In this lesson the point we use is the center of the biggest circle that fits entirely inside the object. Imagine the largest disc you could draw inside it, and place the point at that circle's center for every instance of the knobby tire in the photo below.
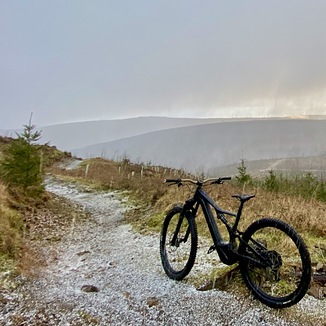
(178, 260)
(295, 277)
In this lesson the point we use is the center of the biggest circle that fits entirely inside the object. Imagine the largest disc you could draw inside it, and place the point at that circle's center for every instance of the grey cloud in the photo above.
(78, 61)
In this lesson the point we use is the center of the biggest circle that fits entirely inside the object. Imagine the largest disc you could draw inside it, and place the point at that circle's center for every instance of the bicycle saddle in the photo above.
(243, 198)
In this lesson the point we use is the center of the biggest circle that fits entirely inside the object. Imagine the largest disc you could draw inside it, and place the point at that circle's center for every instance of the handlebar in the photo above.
(179, 182)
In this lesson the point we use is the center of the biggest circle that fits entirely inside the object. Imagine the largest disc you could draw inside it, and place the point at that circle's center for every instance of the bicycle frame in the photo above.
(225, 249)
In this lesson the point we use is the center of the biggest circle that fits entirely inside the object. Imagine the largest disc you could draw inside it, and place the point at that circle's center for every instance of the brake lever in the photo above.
(218, 182)
(175, 183)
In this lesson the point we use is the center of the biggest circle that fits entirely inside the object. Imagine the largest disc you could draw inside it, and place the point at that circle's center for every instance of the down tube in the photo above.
(215, 233)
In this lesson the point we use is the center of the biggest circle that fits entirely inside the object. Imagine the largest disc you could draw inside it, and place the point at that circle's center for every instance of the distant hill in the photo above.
(289, 166)
(218, 144)
(79, 134)
(192, 144)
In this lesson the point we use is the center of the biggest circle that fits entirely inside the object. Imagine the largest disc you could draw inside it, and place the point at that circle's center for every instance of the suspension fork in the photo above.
(188, 211)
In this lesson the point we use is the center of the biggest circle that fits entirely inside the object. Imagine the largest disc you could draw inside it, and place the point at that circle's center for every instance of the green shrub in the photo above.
(21, 164)
(271, 181)
(243, 177)
(305, 185)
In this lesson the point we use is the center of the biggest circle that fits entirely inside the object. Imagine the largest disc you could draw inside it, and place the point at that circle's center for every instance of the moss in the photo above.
(155, 222)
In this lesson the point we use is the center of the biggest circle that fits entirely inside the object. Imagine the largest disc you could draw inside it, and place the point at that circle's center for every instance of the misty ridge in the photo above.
(191, 144)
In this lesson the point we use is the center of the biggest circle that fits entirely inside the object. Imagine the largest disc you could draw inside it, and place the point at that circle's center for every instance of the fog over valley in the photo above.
(217, 144)
(191, 144)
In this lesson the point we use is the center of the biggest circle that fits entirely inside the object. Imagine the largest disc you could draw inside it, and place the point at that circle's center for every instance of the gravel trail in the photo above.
(103, 273)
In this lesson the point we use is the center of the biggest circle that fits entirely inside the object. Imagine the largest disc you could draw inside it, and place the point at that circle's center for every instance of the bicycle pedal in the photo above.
(211, 249)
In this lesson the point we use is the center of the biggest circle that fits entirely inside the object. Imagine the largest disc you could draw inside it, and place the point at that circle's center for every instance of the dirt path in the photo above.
(103, 273)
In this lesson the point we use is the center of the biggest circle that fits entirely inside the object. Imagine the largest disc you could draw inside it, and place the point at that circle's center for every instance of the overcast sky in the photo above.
(83, 60)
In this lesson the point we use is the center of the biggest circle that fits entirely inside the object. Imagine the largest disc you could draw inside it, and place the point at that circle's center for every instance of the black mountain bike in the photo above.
(273, 259)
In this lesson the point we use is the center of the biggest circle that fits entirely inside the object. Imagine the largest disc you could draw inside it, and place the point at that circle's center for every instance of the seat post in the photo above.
(239, 213)
(242, 199)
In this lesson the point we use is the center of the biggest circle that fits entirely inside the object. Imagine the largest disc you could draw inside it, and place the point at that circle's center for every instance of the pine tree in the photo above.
(21, 163)
(271, 181)
(243, 177)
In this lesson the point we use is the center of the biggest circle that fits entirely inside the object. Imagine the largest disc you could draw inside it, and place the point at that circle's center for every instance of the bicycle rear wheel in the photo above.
(279, 272)
(178, 244)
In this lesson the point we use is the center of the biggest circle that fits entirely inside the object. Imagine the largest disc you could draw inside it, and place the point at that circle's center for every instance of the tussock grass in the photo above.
(11, 237)
(11, 227)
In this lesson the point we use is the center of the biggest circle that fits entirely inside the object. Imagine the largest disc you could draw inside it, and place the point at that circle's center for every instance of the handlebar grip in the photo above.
(172, 180)
(221, 180)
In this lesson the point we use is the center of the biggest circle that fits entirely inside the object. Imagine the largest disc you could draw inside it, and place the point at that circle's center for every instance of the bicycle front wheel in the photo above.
(275, 263)
(178, 244)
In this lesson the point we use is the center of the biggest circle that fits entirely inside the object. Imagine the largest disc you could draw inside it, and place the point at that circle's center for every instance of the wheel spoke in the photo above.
(178, 251)
(278, 278)
(282, 278)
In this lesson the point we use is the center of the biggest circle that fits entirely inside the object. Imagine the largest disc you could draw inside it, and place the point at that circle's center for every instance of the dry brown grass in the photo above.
(146, 184)
(11, 226)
